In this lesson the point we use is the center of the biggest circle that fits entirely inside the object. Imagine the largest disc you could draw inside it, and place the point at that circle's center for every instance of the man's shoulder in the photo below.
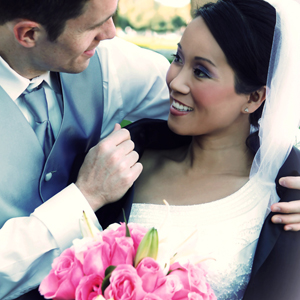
(291, 166)
(294, 157)
(118, 47)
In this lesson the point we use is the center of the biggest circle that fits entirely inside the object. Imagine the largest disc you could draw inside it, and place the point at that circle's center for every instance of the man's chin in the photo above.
(77, 68)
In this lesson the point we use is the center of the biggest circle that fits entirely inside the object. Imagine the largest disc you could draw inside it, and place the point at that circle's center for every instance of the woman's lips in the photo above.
(179, 109)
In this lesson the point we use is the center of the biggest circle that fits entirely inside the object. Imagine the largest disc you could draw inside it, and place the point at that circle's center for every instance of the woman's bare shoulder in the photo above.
(157, 159)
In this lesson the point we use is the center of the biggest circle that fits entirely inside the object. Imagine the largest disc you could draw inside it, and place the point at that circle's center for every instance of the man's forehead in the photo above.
(96, 13)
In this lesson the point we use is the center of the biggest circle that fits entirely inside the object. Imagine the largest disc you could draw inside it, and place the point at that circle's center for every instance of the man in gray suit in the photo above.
(49, 176)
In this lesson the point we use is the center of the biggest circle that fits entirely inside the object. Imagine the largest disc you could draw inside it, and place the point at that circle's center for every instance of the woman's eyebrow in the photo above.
(205, 59)
(199, 57)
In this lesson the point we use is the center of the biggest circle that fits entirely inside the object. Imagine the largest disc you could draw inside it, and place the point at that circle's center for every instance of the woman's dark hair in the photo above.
(52, 14)
(244, 30)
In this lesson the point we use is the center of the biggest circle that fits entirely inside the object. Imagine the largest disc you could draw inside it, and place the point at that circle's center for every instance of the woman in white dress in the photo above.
(219, 182)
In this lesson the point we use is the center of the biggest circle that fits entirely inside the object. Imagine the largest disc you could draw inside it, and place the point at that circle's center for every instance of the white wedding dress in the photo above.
(227, 230)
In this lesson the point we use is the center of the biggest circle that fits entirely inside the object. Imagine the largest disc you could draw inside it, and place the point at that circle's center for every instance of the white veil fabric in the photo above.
(280, 118)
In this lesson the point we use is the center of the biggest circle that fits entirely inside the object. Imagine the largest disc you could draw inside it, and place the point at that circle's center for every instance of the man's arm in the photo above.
(134, 83)
(29, 244)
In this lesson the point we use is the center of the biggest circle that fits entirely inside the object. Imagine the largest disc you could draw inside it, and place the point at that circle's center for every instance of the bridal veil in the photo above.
(280, 118)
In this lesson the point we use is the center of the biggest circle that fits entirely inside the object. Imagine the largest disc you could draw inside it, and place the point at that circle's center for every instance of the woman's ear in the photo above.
(26, 32)
(255, 100)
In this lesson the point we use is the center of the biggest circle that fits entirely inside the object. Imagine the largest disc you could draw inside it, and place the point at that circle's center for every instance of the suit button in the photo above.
(48, 176)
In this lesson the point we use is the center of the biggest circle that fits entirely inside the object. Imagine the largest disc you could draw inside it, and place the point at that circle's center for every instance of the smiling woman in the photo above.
(202, 81)
(216, 174)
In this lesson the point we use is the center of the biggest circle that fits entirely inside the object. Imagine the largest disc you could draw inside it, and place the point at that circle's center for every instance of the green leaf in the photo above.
(126, 226)
(170, 271)
(109, 270)
(106, 280)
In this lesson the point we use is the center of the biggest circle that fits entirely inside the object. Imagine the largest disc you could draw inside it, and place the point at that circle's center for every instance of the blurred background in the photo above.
(155, 24)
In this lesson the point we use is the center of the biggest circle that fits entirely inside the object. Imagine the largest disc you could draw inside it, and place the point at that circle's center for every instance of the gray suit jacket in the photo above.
(22, 162)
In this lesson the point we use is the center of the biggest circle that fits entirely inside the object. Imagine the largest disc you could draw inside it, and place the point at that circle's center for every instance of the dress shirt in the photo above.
(14, 85)
(133, 87)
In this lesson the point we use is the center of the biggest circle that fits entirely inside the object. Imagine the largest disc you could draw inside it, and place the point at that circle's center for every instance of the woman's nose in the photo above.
(180, 82)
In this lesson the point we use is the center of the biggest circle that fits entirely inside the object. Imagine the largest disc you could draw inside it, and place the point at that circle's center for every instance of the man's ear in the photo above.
(26, 32)
(255, 100)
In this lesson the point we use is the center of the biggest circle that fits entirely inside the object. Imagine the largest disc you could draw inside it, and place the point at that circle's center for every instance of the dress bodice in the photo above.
(227, 231)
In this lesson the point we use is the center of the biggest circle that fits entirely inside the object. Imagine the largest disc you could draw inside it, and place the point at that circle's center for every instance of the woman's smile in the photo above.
(180, 107)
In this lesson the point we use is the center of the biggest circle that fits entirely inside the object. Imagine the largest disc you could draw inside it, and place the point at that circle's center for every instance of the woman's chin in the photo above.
(176, 128)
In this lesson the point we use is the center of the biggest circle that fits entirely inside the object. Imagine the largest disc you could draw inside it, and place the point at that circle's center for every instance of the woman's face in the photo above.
(201, 84)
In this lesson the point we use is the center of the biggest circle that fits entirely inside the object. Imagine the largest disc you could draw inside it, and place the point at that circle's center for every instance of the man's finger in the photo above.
(286, 219)
(291, 182)
(292, 207)
(292, 227)
(116, 137)
(136, 170)
(126, 147)
(117, 127)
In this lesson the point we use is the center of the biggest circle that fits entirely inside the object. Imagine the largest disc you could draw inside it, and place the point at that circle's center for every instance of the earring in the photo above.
(246, 109)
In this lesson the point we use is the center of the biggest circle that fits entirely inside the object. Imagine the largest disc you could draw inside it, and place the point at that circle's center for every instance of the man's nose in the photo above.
(108, 31)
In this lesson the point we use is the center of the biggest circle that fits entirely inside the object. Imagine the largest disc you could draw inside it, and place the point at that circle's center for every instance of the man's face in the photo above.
(73, 49)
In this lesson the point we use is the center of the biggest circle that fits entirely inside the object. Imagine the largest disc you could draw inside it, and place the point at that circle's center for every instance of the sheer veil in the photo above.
(281, 114)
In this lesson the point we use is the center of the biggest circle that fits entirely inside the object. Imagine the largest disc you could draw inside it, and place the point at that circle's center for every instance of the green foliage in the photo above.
(151, 15)
(124, 123)
(178, 22)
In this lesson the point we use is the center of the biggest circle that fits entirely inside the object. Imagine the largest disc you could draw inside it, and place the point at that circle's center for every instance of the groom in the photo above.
(60, 94)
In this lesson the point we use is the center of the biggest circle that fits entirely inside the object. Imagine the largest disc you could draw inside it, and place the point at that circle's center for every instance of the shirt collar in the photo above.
(14, 84)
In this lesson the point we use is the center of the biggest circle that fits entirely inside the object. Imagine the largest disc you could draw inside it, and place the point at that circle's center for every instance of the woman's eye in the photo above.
(200, 73)
(177, 58)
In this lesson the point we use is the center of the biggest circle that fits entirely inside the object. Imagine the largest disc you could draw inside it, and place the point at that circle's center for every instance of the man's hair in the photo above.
(52, 14)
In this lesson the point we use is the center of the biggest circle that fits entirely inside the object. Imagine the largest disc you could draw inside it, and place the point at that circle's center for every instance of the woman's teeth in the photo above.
(181, 107)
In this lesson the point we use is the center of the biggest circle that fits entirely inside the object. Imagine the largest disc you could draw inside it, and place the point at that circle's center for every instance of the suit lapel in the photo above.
(80, 130)
(271, 232)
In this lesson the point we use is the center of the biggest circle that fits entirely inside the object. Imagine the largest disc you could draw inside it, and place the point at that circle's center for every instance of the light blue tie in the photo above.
(36, 102)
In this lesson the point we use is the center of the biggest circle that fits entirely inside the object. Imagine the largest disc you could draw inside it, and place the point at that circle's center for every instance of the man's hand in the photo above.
(109, 169)
(290, 211)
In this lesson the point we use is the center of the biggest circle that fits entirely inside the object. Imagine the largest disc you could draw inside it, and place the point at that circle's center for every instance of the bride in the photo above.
(218, 179)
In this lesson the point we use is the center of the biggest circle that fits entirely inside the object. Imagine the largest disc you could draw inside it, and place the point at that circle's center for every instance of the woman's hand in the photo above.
(289, 211)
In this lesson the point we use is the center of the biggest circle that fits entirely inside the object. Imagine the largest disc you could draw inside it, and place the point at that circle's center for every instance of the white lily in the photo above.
(113, 226)
(170, 251)
(87, 227)
(90, 233)
(148, 246)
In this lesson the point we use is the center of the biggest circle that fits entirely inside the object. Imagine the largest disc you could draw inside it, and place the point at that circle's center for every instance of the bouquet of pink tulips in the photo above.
(120, 263)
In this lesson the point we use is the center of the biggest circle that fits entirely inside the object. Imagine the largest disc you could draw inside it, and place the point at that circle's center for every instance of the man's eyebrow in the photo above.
(102, 22)
(199, 57)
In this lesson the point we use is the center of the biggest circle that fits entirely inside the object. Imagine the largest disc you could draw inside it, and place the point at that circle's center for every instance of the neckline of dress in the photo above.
(222, 201)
